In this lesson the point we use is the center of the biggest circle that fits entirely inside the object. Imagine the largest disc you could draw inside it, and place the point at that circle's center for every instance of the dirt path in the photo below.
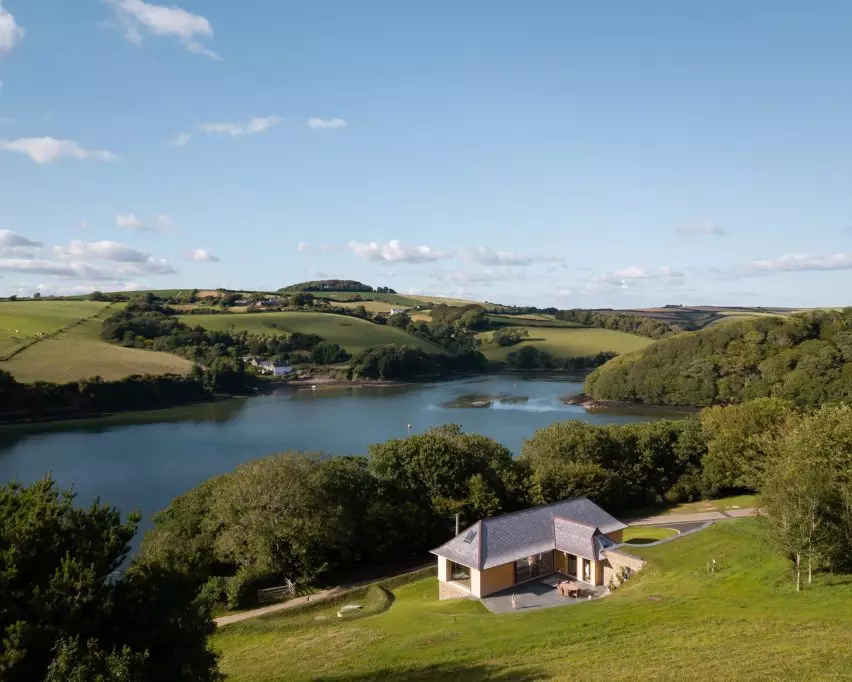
(663, 519)
(274, 608)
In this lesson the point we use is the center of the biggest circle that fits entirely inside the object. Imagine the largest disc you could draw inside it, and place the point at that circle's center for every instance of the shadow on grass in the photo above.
(459, 672)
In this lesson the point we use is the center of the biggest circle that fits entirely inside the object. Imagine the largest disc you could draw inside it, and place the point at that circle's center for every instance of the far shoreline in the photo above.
(594, 405)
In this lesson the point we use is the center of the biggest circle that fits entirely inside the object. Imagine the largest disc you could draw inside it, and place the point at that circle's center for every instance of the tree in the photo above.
(37, 296)
(328, 354)
(66, 614)
(399, 320)
(509, 336)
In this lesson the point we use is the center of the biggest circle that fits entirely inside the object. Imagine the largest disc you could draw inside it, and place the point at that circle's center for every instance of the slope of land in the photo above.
(563, 342)
(806, 359)
(743, 622)
(22, 322)
(80, 353)
(353, 334)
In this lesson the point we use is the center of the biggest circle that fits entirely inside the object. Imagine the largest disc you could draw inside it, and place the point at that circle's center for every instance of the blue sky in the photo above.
(553, 153)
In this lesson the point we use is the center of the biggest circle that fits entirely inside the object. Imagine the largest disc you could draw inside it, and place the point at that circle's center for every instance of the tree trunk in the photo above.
(798, 572)
(810, 571)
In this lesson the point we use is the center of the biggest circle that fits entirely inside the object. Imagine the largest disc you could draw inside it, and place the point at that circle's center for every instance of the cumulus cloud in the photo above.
(201, 256)
(137, 17)
(180, 140)
(802, 263)
(104, 250)
(253, 127)
(161, 222)
(395, 251)
(49, 267)
(318, 123)
(10, 33)
(12, 242)
(48, 149)
(625, 277)
(702, 229)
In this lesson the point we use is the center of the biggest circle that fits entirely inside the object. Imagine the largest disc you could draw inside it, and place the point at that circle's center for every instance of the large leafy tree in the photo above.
(66, 613)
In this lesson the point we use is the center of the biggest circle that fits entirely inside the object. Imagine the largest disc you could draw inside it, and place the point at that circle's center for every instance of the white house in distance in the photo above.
(268, 367)
(574, 537)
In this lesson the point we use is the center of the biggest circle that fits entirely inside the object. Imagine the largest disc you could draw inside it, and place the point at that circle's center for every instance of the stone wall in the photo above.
(614, 563)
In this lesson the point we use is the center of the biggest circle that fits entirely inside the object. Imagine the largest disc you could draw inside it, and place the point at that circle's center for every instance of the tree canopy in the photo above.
(806, 359)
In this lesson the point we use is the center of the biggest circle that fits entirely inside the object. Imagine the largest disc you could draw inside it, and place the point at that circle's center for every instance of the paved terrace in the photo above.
(537, 594)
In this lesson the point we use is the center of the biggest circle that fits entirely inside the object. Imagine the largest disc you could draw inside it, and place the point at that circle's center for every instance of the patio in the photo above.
(538, 594)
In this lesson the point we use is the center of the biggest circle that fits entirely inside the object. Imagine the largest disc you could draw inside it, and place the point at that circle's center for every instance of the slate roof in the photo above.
(577, 526)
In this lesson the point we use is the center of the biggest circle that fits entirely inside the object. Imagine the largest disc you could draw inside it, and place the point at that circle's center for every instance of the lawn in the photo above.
(642, 535)
(564, 342)
(21, 322)
(672, 621)
(351, 333)
(80, 353)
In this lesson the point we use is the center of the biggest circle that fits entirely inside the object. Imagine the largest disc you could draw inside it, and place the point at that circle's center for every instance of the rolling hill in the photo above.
(564, 342)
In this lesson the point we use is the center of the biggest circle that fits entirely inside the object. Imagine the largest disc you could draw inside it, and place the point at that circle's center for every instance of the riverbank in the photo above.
(593, 405)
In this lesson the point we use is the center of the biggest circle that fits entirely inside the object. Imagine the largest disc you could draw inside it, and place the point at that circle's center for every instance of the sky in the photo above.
(617, 154)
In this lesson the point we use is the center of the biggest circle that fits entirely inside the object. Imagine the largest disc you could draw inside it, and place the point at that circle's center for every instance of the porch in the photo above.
(538, 594)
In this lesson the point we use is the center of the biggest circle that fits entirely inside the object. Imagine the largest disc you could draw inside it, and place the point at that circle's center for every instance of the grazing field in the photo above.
(371, 306)
(530, 321)
(80, 353)
(564, 342)
(396, 300)
(672, 621)
(22, 322)
(351, 333)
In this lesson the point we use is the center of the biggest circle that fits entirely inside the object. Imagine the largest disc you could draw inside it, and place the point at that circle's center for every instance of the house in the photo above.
(268, 367)
(574, 537)
(397, 311)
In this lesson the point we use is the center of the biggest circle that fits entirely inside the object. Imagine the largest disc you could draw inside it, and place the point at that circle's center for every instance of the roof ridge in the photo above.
(579, 523)
(537, 507)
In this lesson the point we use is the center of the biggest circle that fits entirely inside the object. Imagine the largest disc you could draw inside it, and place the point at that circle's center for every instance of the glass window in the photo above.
(572, 565)
(459, 572)
(587, 570)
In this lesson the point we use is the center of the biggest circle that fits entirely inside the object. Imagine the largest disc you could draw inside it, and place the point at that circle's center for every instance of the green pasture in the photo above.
(80, 353)
(353, 334)
(672, 621)
(642, 535)
(563, 342)
(21, 322)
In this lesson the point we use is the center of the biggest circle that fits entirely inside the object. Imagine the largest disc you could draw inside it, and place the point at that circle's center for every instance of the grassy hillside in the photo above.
(563, 342)
(744, 622)
(80, 353)
(22, 322)
(806, 359)
(351, 333)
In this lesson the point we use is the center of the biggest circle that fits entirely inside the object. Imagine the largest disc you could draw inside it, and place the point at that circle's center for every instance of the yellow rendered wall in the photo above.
(492, 580)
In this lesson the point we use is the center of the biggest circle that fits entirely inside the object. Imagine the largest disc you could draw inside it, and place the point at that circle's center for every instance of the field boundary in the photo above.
(55, 333)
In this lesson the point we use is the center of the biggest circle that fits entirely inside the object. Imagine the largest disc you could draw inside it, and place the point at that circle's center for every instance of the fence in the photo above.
(287, 590)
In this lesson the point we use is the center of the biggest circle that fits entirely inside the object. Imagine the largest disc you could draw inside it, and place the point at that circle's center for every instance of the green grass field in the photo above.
(21, 322)
(80, 353)
(644, 534)
(351, 333)
(564, 342)
(672, 621)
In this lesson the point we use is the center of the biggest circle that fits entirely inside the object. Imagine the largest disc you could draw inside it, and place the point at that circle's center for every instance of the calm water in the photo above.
(143, 460)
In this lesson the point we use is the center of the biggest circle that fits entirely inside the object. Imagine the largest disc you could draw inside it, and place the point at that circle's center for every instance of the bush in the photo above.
(241, 588)
(213, 591)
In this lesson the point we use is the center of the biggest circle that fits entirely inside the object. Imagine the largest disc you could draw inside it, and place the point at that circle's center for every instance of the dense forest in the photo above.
(806, 359)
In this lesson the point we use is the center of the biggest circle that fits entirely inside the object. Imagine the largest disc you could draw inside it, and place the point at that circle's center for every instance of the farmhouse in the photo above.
(574, 537)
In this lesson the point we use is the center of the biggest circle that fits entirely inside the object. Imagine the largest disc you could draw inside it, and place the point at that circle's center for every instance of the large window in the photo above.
(460, 574)
(572, 565)
(533, 566)
(587, 571)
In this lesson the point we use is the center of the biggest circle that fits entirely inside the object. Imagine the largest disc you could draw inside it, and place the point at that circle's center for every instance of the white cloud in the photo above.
(254, 126)
(49, 267)
(483, 277)
(104, 250)
(316, 122)
(129, 222)
(180, 140)
(47, 149)
(164, 219)
(136, 16)
(303, 247)
(702, 229)
(395, 252)
(12, 242)
(801, 263)
(10, 33)
(485, 255)
(201, 256)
